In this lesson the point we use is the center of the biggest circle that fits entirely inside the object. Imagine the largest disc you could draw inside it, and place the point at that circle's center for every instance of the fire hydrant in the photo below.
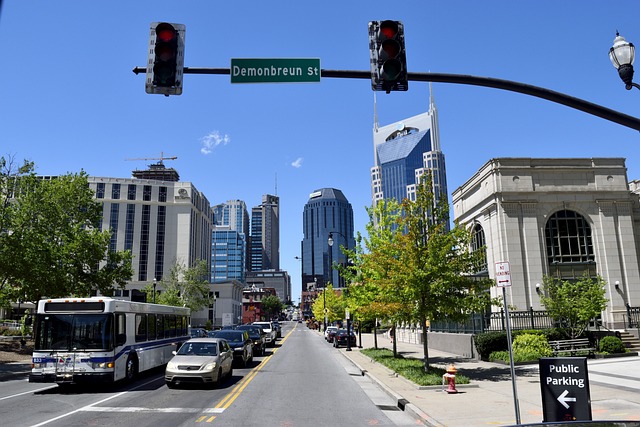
(450, 377)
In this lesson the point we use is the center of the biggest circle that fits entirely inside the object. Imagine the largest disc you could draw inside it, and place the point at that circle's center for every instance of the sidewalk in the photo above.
(489, 399)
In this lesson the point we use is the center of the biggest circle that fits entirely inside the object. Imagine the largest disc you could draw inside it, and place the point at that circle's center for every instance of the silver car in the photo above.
(200, 361)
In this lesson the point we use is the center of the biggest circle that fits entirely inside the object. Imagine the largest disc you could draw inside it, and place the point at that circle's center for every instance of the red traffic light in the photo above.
(166, 33)
(388, 56)
(389, 29)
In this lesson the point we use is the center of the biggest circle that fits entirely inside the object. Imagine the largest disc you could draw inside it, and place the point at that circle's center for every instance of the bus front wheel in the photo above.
(132, 367)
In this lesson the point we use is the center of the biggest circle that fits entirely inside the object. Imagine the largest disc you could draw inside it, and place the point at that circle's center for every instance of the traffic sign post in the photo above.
(564, 382)
(275, 70)
(503, 279)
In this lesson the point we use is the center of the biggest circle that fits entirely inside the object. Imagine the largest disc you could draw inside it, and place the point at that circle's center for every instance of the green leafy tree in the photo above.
(272, 306)
(184, 287)
(371, 293)
(333, 301)
(433, 273)
(50, 243)
(573, 303)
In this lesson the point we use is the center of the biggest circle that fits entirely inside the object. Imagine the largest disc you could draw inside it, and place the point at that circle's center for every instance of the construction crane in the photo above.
(160, 159)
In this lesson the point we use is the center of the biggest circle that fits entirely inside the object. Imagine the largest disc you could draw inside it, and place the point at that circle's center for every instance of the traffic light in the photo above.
(166, 58)
(388, 56)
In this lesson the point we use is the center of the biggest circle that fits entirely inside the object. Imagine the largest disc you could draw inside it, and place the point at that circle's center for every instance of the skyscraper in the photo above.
(265, 234)
(233, 215)
(328, 212)
(403, 152)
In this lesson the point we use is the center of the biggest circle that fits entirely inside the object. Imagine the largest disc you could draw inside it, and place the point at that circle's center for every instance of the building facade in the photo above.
(556, 217)
(265, 235)
(161, 222)
(403, 152)
(278, 280)
(327, 213)
(228, 250)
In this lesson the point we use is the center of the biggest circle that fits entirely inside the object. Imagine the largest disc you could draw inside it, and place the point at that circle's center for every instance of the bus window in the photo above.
(170, 330)
(141, 327)
(152, 326)
(160, 326)
(121, 329)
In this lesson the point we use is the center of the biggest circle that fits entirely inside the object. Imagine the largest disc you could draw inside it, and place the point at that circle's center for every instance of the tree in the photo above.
(370, 294)
(330, 299)
(573, 303)
(50, 241)
(185, 287)
(433, 272)
(272, 306)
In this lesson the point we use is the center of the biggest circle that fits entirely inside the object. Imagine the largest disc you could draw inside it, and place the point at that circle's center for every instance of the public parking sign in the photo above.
(564, 383)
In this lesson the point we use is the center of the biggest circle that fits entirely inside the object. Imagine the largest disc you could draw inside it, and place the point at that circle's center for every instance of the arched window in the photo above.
(478, 244)
(569, 245)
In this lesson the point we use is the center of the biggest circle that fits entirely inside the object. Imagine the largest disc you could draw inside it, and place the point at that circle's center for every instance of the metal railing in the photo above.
(633, 316)
(496, 321)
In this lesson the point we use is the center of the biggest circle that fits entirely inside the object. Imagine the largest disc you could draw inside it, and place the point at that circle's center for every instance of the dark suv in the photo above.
(257, 335)
(239, 341)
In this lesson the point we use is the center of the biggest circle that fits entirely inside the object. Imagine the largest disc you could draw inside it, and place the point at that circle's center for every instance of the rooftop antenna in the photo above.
(375, 113)
(276, 183)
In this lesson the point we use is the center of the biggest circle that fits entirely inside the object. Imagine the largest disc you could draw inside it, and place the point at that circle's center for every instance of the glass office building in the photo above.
(328, 212)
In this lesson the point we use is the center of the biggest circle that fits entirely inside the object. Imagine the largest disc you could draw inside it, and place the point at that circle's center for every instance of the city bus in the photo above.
(102, 339)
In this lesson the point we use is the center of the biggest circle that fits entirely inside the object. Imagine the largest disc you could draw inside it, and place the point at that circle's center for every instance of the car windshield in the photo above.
(198, 349)
(230, 336)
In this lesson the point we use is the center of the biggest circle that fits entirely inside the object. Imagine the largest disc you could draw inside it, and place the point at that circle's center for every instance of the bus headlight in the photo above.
(102, 365)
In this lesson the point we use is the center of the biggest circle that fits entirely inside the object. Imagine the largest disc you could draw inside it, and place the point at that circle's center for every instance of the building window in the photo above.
(478, 243)
(568, 239)
(162, 194)
(131, 192)
(100, 191)
(115, 191)
(146, 193)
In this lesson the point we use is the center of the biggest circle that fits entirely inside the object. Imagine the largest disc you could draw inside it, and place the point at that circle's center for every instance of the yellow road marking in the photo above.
(239, 388)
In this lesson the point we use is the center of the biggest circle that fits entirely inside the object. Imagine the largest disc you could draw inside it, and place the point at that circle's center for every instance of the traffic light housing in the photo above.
(388, 56)
(166, 58)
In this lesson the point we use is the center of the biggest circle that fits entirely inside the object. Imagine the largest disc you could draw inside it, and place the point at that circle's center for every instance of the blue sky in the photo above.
(70, 101)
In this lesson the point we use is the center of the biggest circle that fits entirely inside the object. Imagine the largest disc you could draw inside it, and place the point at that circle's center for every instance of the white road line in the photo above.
(96, 403)
(27, 392)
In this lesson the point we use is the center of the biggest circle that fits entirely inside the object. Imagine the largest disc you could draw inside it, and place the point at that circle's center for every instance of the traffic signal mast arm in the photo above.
(539, 92)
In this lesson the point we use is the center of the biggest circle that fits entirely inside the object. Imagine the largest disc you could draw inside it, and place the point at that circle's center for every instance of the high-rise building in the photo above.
(265, 234)
(233, 215)
(161, 222)
(228, 249)
(327, 213)
(403, 152)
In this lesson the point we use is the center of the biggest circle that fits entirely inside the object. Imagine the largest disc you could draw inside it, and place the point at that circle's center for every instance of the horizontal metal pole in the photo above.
(539, 92)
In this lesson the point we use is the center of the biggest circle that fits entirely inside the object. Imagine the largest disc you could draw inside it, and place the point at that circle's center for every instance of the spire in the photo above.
(435, 132)
(375, 113)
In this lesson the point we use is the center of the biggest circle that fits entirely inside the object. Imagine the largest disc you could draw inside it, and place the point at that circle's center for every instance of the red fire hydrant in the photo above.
(450, 377)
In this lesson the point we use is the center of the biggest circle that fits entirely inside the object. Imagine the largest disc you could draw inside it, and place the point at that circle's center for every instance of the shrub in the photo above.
(526, 348)
(489, 342)
(611, 344)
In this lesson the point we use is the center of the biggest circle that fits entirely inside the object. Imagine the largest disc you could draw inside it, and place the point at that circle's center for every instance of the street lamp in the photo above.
(622, 55)
(330, 241)
(154, 289)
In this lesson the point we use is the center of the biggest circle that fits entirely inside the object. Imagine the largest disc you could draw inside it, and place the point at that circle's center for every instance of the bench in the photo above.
(573, 347)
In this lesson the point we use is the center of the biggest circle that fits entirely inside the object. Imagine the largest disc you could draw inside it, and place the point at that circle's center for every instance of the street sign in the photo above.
(503, 276)
(565, 389)
(275, 70)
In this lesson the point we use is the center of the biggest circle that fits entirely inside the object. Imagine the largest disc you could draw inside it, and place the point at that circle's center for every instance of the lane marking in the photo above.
(28, 392)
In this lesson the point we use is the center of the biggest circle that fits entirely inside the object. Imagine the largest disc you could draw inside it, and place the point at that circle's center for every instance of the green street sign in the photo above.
(275, 70)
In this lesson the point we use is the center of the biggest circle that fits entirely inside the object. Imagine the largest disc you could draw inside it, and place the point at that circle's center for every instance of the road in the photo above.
(302, 381)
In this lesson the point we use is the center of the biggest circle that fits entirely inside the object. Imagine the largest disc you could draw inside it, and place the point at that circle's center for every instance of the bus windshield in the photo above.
(74, 332)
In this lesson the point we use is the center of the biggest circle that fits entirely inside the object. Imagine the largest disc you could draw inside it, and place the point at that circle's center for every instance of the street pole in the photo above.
(154, 289)
(526, 89)
(513, 370)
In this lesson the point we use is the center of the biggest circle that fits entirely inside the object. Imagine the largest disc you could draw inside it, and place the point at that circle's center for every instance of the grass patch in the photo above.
(410, 368)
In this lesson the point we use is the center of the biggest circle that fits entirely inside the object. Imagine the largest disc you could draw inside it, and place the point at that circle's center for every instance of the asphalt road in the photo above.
(302, 381)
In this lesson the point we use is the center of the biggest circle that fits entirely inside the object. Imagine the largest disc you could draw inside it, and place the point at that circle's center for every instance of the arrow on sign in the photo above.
(564, 399)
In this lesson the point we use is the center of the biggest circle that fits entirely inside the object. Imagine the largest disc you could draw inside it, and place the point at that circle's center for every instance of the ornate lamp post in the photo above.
(622, 55)
(154, 289)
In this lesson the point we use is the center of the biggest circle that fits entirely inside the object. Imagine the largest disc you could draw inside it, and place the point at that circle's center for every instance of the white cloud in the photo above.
(297, 163)
(212, 140)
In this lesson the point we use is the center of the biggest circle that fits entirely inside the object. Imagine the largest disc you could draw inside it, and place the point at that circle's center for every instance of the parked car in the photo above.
(258, 336)
(277, 327)
(340, 338)
(267, 327)
(328, 330)
(331, 333)
(200, 360)
(240, 342)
